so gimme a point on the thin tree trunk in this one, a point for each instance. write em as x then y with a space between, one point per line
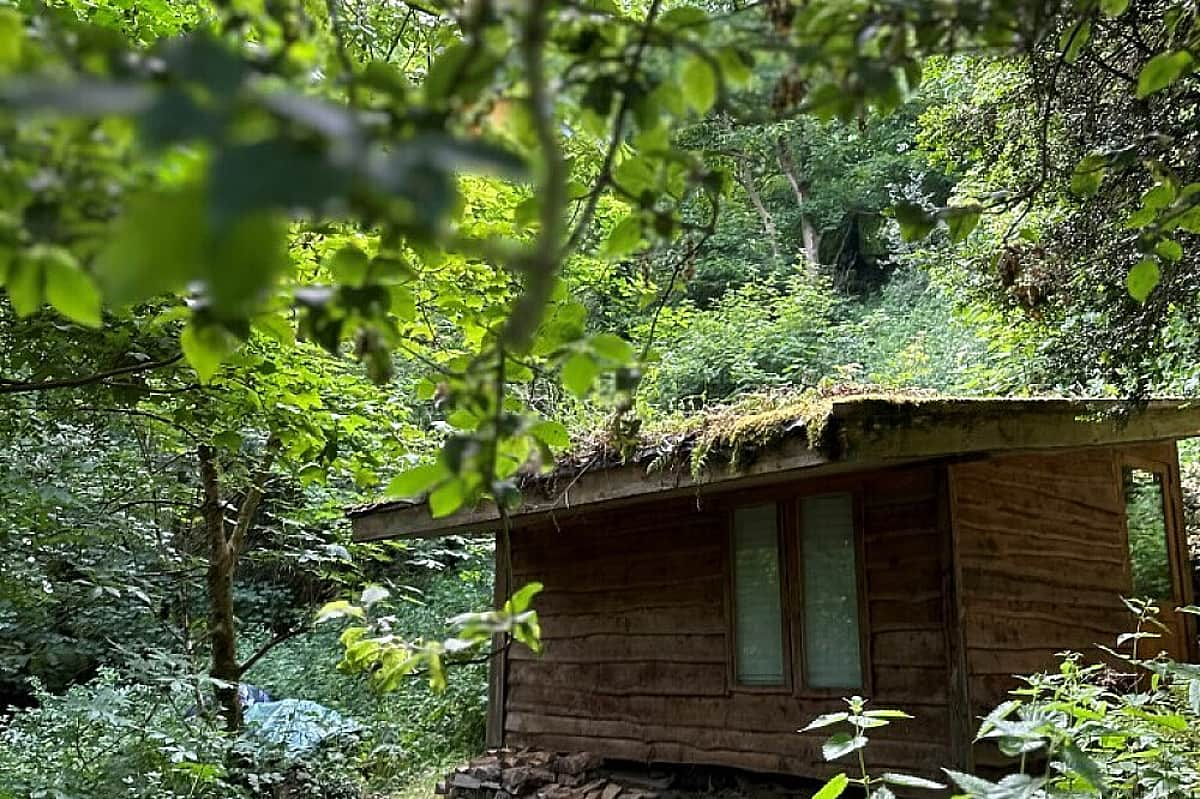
811 236
221 633
224 549
746 177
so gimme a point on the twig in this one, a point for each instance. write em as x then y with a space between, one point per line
617 135
275 641
20 387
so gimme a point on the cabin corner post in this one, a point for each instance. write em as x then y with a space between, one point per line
498 660
1179 552
961 729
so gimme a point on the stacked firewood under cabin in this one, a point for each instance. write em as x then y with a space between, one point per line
537 774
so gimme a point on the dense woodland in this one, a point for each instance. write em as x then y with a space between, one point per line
263 260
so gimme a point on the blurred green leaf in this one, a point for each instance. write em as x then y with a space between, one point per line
699 84
579 373
69 289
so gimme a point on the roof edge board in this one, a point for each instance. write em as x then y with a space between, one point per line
874 432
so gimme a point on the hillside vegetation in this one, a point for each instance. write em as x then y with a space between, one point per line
264 261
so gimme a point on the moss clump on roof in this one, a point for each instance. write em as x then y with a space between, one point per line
735 432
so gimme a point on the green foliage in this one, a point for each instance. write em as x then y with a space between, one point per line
410 731
1099 740
135 733
858 720
1146 521
756 337
109 739
1083 731
518 219
373 648
800 333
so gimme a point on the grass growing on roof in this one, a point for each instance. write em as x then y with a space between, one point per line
737 430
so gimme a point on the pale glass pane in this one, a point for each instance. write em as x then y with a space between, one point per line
831 642
1145 515
757 607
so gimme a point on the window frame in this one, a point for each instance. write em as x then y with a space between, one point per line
860 578
788 516
731 678
1176 564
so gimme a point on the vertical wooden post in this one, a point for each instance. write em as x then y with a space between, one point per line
498 662
962 731
1180 557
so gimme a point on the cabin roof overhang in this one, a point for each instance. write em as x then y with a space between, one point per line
857 433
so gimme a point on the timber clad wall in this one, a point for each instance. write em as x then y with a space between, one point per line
971 572
1041 545
637 639
1044 559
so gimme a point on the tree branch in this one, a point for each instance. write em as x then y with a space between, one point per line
745 176
19 387
617 135
275 641
542 264
254 495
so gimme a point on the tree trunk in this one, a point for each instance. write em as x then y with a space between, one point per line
224 549
746 177
221 632
811 236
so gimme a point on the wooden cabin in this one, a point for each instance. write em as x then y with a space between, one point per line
920 554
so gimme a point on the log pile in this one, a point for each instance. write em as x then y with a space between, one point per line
537 774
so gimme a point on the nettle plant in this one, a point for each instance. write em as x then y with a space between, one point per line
852 739
1086 730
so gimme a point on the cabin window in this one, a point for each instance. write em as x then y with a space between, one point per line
828 557
757 596
1146 522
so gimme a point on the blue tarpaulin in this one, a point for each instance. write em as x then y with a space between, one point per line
294 726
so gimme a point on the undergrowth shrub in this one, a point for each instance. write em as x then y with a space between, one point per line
134 733
798 332
1126 728
110 739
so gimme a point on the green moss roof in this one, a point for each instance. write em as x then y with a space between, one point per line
732 433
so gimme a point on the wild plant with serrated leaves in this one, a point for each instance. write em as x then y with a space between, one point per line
852 739
1088 731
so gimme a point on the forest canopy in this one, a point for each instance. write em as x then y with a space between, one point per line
261 260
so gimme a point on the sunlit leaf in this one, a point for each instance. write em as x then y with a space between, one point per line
416 481
1161 71
1075 39
373 594
624 238
612 347
579 373
916 222
833 788
69 289
205 346
699 83
825 720
339 609
961 220
1142 279
446 498
552 434
841 744
1089 174
909 781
